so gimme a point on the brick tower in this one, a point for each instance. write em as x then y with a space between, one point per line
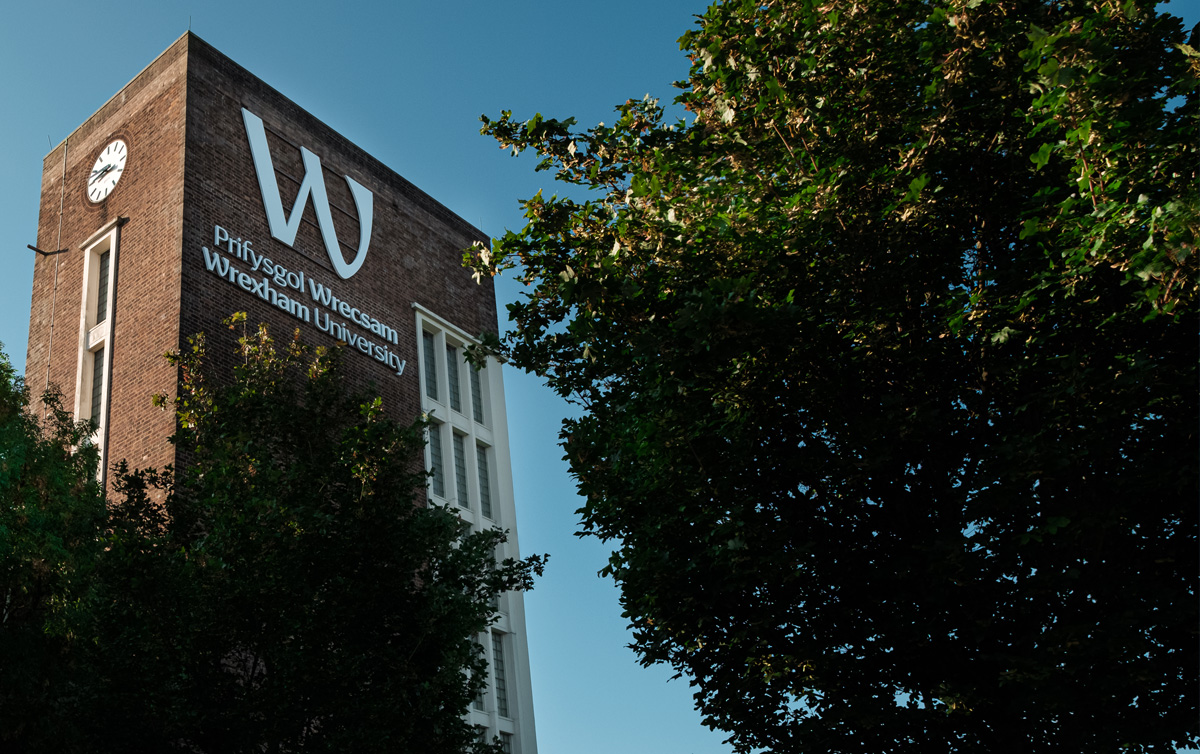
198 191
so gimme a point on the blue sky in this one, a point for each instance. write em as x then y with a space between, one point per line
407 82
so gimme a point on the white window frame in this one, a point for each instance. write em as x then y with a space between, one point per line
491 435
460 423
96 336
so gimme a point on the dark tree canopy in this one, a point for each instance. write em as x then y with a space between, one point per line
286 591
51 510
888 362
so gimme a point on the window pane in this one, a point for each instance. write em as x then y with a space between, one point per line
460 471
478 703
498 668
97 384
485 491
102 290
435 460
506 742
476 396
452 375
431 377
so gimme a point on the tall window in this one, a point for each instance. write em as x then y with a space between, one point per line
468 464
436 465
478 703
485 487
102 288
97 398
499 671
460 472
452 370
94 363
476 396
431 374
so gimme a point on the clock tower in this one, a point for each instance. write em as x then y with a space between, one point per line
198 191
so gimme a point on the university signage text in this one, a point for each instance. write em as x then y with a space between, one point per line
286 289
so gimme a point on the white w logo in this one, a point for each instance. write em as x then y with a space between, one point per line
285 228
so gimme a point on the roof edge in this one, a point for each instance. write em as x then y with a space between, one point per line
187 35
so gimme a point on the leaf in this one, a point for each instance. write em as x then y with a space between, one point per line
1042 156
915 186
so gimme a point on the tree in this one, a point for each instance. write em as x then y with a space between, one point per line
888 369
287 589
51 509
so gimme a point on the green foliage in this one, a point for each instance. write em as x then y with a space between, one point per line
287 590
889 367
50 511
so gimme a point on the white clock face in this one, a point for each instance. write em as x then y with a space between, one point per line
107 171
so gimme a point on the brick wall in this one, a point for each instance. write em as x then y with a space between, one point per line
190 169
148 115
414 254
